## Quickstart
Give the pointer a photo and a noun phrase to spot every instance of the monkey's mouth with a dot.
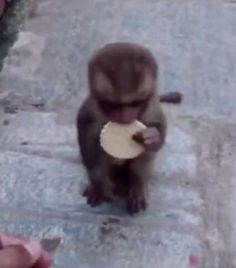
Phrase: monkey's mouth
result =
(125, 115)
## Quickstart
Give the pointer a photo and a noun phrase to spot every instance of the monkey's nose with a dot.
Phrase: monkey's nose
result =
(125, 115)
(121, 120)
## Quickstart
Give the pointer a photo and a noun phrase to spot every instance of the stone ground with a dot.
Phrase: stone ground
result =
(191, 220)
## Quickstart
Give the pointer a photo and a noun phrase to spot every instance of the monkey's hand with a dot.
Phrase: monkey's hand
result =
(94, 195)
(150, 137)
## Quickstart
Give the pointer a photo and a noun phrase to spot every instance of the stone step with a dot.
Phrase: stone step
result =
(42, 179)
(191, 219)
(196, 52)
(87, 243)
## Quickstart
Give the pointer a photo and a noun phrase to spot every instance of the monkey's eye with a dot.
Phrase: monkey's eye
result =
(108, 105)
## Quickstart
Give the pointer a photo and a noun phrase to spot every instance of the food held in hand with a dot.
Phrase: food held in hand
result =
(117, 139)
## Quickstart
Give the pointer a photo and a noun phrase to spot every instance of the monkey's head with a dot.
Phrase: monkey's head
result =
(122, 79)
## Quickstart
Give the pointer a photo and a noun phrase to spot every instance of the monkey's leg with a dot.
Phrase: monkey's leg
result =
(136, 199)
(139, 174)
(88, 131)
(120, 179)
(99, 189)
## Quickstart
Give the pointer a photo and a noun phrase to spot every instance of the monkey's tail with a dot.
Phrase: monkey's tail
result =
(171, 97)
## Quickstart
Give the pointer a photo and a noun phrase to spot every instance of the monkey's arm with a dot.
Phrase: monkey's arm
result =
(153, 137)
(87, 134)
(88, 127)
(160, 127)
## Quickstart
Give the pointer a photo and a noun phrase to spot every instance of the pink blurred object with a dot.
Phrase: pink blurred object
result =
(2, 7)
(194, 260)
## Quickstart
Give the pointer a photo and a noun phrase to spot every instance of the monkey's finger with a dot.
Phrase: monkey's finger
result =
(88, 190)
(138, 206)
(85, 193)
(94, 198)
(143, 204)
(138, 137)
(90, 198)
(130, 210)
(148, 137)
(152, 132)
(92, 201)
(134, 206)
(151, 140)
(90, 194)
(152, 137)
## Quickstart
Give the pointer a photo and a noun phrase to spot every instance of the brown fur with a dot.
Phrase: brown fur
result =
(119, 72)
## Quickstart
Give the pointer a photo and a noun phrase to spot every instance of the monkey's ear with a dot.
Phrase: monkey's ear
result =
(101, 83)
(148, 83)
(98, 81)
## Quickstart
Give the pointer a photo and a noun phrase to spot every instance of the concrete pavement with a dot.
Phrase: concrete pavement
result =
(191, 220)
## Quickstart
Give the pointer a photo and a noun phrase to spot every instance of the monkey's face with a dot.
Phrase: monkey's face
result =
(122, 112)
(122, 79)
(123, 94)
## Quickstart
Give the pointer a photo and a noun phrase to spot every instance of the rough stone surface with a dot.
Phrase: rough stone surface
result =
(191, 220)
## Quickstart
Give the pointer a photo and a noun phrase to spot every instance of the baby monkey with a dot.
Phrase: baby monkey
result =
(122, 88)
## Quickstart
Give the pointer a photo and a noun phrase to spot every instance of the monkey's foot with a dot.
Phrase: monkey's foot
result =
(94, 196)
(136, 203)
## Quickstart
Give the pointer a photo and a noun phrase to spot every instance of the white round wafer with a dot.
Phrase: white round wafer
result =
(116, 139)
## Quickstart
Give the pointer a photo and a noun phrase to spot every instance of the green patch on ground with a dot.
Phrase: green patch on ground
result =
(10, 25)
